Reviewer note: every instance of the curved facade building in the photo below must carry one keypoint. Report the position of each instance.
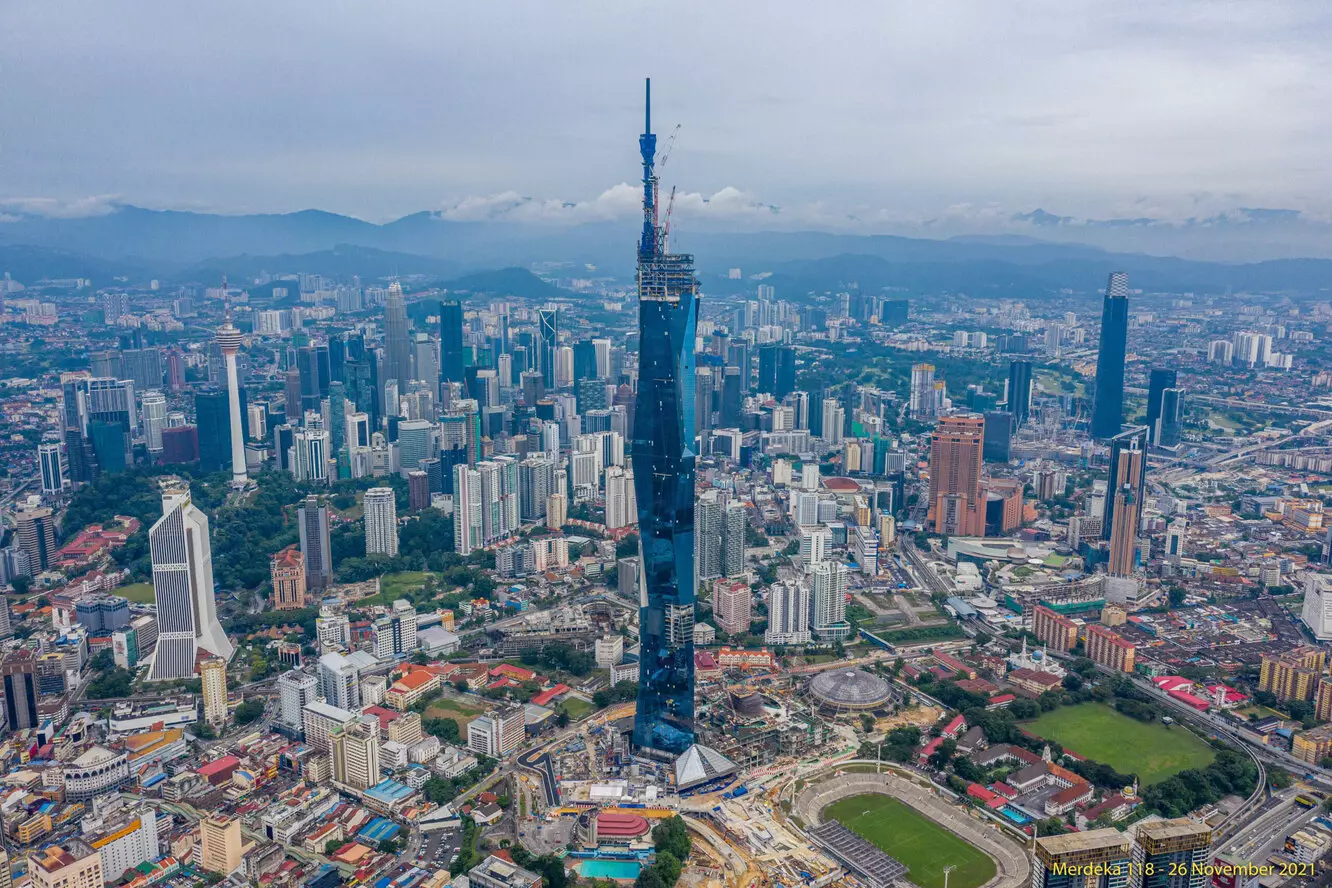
(663, 460)
(849, 690)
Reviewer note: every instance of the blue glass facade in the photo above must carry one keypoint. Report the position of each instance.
(1108, 401)
(663, 454)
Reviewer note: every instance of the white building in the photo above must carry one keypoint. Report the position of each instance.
(183, 590)
(339, 681)
(381, 522)
(609, 650)
(828, 621)
(788, 613)
(321, 720)
(496, 734)
(1317, 612)
(467, 527)
(296, 690)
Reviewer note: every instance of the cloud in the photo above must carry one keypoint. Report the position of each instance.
(622, 201)
(14, 208)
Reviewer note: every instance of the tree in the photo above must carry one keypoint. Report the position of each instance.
(1072, 682)
(389, 846)
(1176, 594)
(22, 584)
(446, 729)
(249, 710)
(331, 847)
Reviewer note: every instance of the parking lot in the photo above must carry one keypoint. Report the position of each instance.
(440, 847)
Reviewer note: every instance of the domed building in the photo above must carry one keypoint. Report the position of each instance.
(849, 690)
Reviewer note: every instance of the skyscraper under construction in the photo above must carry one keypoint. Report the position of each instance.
(663, 460)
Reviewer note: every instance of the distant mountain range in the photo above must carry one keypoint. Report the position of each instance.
(181, 247)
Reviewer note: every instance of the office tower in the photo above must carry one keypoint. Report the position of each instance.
(1108, 400)
(312, 522)
(356, 755)
(292, 395)
(1174, 540)
(183, 589)
(337, 416)
(1104, 855)
(451, 357)
(229, 341)
(296, 690)
(418, 490)
(53, 476)
(1124, 504)
(922, 399)
(619, 498)
(1019, 391)
(213, 677)
(212, 416)
(536, 482)
(829, 601)
(584, 360)
(111, 445)
(833, 417)
(18, 671)
(732, 398)
(663, 463)
(381, 522)
(731, 603)
(1170, 423)
(1128, 465)
(143, 366)
(75, 865)
(1158, 380)
(788, 613)
(220, 844)
(497, 734)
(287, 572)
(36, 533)
(154, 420)
(777, 370)
(548, 334)
(499, 498)
(425, 360)
(180, 445)
(416, 441)
(397, 347)
(340, 681)
(956, 505)
(998, 441)
(310, 453)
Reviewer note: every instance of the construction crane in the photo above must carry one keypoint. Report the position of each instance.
(665, 156)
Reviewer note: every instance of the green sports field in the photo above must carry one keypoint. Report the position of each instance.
(1151, 750)
(918, 842)
(139, 593)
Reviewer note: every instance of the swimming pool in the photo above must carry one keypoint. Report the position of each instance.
(1015, 815)
(610, 869)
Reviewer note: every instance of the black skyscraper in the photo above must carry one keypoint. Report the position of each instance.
(451, 360)
(1158, 380)
(1019, 391)
(1108, 403)
(777, 370)
(997, 443)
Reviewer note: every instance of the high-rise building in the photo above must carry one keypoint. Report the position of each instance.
(1128, 465)
(1172, 853)
(735, 524)
(213, 677)
(1158, 380)
(777, 370)
(397, 346)
(340, 681)
(536, 482)
(468, 527)
(212, 419)
(381, 522)
(1108, 649)
(154, 419)
(416, 441)
(287, 572)
(1054, 630)
(619, 498)
(548, 340)
(36, 534)
(1174, 540)
(418, 490)
(1292, 675)
(356, 755)
(498, 733)
(922, 403)
(998, 439)
(1019, 391)
(183, 589)
(957, 506)
(451, 357)
(663, 461)
(229, 341)
(1317, 609)
(708, 510)
(1108, 399)
(18, 671)
(1170, 423)
(296, 690)
(312, 522)
(53, 475)
(788, 613)
(1104, 855)
(828, 622)
(220, 843)
(731, 605)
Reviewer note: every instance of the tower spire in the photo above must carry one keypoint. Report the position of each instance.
(647, 148)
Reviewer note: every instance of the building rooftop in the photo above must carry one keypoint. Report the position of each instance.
(1093, 840)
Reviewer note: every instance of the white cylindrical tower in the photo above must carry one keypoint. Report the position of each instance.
(229, 341)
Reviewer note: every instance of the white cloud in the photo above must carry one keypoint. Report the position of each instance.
(57, 208)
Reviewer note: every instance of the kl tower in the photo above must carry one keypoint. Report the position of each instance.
(229, 341)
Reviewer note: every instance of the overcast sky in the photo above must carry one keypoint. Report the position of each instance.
(840, 113)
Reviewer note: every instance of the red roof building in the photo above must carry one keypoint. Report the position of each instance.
(545, 697)
(219, 772)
